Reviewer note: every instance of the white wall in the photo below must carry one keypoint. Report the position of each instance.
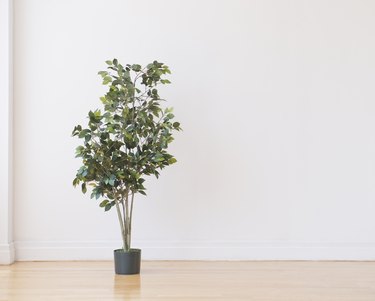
(277, 103)
(6, 128)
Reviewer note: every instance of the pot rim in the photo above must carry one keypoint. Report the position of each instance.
(127, 252)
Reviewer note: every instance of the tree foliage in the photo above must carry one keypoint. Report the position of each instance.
(127, 140)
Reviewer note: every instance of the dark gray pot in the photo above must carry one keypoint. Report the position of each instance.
(127, 263)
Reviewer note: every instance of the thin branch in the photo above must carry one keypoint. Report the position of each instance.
(121, 224)
(131, 217)
(126, 220)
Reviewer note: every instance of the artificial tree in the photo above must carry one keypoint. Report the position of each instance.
(127, 141)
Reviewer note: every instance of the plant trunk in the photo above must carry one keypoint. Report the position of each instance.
(125, 219)
(123, 232)
(131, 217)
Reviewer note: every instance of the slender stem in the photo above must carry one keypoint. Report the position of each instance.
(123, 212)
(121, 225)
(131, 217)
(125, 221)
(125, 227)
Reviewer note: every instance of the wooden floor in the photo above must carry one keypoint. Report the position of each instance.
(182, 280)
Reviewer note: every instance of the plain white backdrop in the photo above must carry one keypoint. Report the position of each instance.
(6, 133)
(276, 99)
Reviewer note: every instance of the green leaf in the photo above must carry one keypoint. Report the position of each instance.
(142, 192)
(136, 67)
(159, 158)
(104, 203)
(76, 130)
(83, 133)
(103, 73)
(107, 80)
(111, 180)
(79, 150)
(84, 189)
(75, 182)
(109, 63)
(172, 160)
(97, 114)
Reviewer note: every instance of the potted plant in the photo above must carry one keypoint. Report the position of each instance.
(125, 142)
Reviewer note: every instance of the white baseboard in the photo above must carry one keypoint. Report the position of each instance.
(7, 253)
(195, 250)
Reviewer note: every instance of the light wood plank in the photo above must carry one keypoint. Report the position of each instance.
(196, 280)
